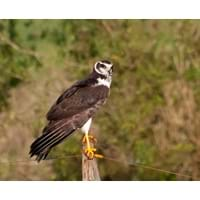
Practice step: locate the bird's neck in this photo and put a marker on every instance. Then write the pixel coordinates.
(101, 79)
(104, 82)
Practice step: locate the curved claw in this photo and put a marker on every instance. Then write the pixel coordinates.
(90, 153)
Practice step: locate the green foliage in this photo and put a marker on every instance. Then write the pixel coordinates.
(192, 74)
(68, 168)
(13, 62)
(148, 55)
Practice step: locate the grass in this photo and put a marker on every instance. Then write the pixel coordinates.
(153, 109)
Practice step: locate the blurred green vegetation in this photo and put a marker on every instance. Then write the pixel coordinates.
(151, 117)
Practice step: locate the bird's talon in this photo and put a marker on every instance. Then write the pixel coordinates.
(90, 153)
(96, 155)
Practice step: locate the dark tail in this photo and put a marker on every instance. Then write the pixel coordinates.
(54, 133)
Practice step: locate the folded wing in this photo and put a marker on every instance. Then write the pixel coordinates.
(70, 112)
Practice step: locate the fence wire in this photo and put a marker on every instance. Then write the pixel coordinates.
(108, 158)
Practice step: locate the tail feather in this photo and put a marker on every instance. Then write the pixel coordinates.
(45, 138)
(49, 130)
(53, 134)
(49, 142)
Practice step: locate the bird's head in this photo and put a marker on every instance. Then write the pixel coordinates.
(104, 68)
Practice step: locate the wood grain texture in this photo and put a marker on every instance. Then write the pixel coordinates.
(90, 171)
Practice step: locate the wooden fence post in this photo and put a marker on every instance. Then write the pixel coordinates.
(90, 170)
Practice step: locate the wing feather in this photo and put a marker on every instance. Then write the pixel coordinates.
(81, 100)
(42, 145)
(70, 112)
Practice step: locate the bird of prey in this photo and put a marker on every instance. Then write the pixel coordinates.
(74, 110)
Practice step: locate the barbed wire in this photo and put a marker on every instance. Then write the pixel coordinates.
(68, 156)
(28, 161)
(131, 164)
(143, 165)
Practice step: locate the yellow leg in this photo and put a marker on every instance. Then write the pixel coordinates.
(89, 151)
(91, 139)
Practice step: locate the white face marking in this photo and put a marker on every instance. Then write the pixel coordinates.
(108, 66)
(105, 82)
(104, 71)
(86, 127)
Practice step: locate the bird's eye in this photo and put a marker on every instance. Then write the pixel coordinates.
(103, 66)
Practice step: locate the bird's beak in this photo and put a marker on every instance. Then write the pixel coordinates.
(111, 70)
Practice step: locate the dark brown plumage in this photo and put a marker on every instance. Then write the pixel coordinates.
(69, 113)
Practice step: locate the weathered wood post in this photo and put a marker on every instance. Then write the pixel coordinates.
(90, 171)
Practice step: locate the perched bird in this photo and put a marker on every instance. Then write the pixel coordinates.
(74, 110)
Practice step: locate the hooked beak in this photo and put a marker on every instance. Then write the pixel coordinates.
(111, 70)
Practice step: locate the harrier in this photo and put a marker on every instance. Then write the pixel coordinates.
(74, 110)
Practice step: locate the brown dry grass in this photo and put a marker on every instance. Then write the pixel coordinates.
(177, 128)
(24, 119)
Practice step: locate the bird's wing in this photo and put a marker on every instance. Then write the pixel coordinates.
(69, 113)
(70, 91)
(77, 99)
(56, 131)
